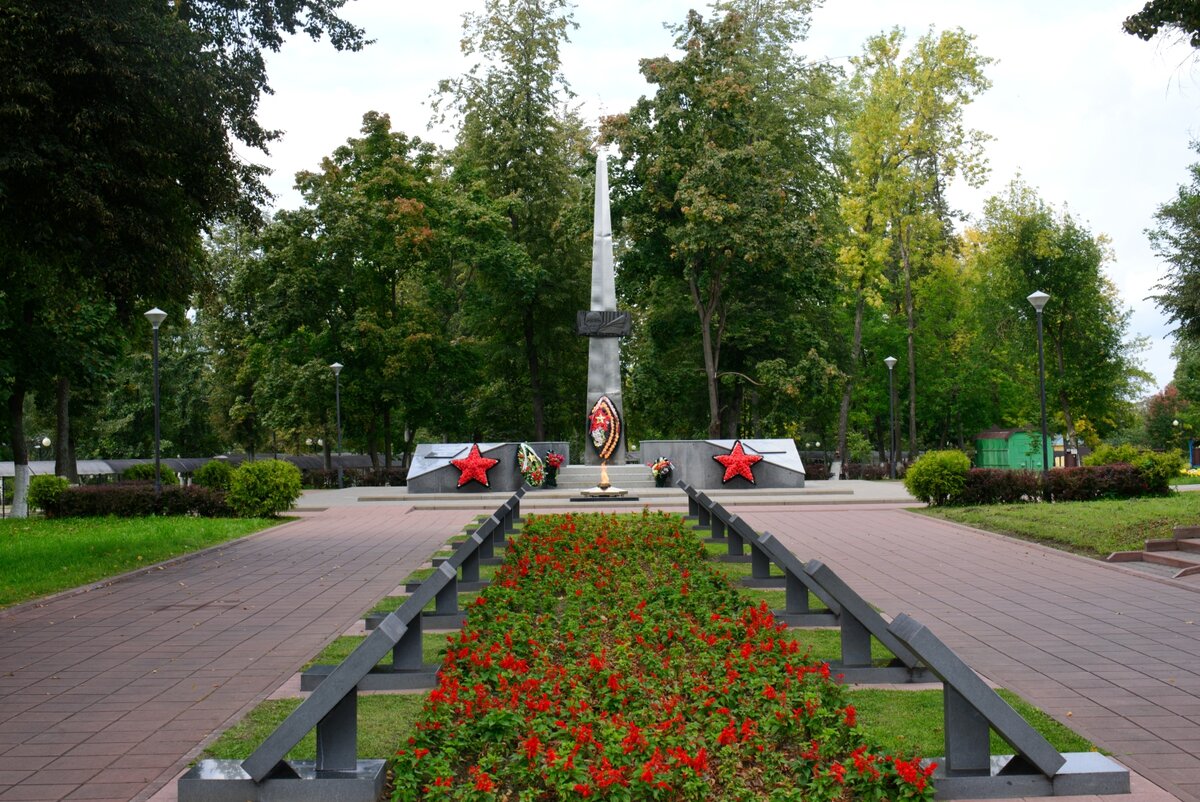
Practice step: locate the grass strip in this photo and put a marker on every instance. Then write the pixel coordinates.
(39, 556)
(911, 721)
(1092, 528)
(433, 649)
(384, 720)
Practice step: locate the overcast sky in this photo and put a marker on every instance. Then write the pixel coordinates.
(1094, 119)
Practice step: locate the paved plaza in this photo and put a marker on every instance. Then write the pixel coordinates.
(109, 693)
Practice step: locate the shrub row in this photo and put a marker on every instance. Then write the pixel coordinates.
(255, 490)
(945, 477)
(134, 499)
(356, 477)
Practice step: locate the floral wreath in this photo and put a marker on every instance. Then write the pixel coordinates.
(604, 427)
(532, 469)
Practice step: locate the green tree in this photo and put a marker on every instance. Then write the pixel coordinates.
(1176, 240)
(725, 200)
(1159, 15)
(527, 155)
(907, 142)
(120, 121)
(1092, 369)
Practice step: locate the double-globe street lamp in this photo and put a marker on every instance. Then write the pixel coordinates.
(156, 316)
(1038, 300)
(336, 367)
(891, 363)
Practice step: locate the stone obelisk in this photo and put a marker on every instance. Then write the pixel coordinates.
(604, 344)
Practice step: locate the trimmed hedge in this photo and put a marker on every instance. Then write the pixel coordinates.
(45, 490)
(144, 472)
(355, 477)
(938, 477)
(135, 499)
(999, 486)
(264, 489)
(1090, 482)
(215, 474)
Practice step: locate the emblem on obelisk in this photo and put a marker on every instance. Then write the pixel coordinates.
(603, 325)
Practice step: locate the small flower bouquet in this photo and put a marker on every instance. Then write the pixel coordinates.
(661, 469)
(554, 461)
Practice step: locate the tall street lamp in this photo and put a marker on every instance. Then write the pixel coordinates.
(336, 367)
(1038, 300)
(891, 363)
(156, 316)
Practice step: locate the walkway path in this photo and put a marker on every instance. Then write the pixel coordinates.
(1113, 653)
(106, 694)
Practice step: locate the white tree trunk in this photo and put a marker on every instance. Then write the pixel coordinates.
(20, 506)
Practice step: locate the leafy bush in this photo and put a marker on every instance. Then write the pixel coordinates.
(858, 447)
(938, 477)
(264, 489)
(1157, 468)
(45, 490)
(137, 499)
(144, 472)
(999, 486)
(215, 474)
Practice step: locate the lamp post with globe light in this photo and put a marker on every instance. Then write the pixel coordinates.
(156, 316)
(1038, 300)
(336, 367)
(891, 363)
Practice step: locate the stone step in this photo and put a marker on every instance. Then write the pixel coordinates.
(1182, 563)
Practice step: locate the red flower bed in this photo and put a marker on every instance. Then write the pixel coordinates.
(608, 661)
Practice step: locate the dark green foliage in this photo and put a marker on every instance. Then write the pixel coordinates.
(215, 474)
(1156, 469)
(144, 472)
(1159, 15)
(137, 499)
(264, 489)
(937, 477)
(44, 491)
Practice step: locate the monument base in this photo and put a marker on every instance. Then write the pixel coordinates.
(599, 492)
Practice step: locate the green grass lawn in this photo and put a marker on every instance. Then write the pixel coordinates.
(1093, 528)
(384, 723)
(40, 556)
(910, 722)
(433, 649)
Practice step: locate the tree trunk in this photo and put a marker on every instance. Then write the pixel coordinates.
(860, 301)
(1069, 435)
(387, 439)
(711, 347)
(64, 456)
(373, 441)
(535, 380)
(16, 435)
(912, 358)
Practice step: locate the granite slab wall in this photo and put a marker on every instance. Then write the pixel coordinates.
(780, 467)
(431, 471)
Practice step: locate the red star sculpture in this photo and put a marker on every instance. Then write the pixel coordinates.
(737, 463)
(474, 467)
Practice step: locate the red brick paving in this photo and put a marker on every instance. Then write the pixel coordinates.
(1113, 653)
(107, 694)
